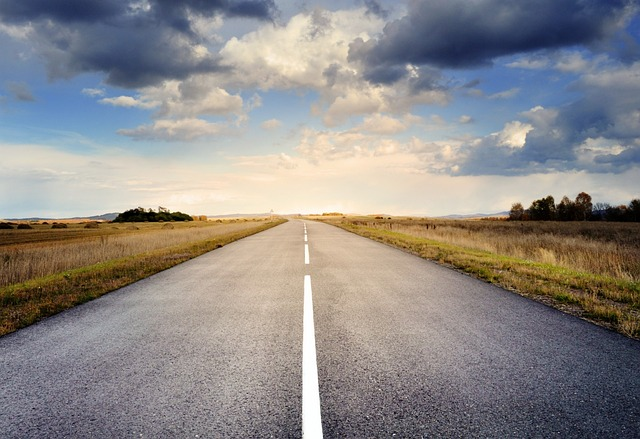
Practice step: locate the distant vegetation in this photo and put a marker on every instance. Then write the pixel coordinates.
(580, 209)
(142, 215)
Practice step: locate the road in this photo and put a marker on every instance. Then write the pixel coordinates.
(403, 348)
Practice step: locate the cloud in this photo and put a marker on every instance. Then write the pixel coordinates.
(286, 162)
(20, 91)
(93, 92)
(298, 53)
(598, 133)
(514, 134)
(573, 62)
(382, 124)
(128, 102)
(271, 124)
(460, 34)
(175, 14)
(374, 7)
(565, 61)
(529, 63)
(310, 52)
(319, 146)
(175, 130)
(507, 94)
(182, 106)
(134, 44)
(196, 96)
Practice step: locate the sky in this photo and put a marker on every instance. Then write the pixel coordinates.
(213, 107)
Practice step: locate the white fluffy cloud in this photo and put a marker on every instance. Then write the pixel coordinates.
(514, 134)
(175, 130)
(181, 107)
(196, 96)
(128, 102)
(298, 54)
(311, 52)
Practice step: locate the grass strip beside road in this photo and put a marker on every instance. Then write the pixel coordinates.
(607, 301)
(26, 303)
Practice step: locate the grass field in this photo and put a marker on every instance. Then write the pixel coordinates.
(588, 269)
(45, 270)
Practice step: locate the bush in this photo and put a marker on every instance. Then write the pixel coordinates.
(59, 226)
(142, 215)
(92, 225)
(5, 226)
(24, 227)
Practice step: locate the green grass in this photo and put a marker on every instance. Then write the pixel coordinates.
(26, 303)
(605, 300)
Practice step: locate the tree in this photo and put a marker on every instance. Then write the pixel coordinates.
(543, 209)
(599, 212)
(583, 206)
(616, 213)
(517, 212)
(634, 210)
(142, 215)
(566, 210)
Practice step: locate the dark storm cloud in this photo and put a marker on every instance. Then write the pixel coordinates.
(623, 161)
(101, 10)
(375, 8)
(459, 33)
(135, 44)
(176, 12)
(60, 11)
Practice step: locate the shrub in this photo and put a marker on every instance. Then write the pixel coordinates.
(142, 215)
(24, 226)
(59, 226)
(6, 226)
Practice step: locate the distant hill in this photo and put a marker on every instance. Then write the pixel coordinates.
(103, 217)
(475, 215)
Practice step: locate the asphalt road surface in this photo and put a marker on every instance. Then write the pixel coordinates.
(403, 348)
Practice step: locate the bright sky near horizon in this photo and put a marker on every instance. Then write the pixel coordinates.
(366, 106)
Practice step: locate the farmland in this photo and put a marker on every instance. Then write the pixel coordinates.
(589, 269)
(46, 270)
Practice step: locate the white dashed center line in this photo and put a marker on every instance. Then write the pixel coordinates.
(311, 419)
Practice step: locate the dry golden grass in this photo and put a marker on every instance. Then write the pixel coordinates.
(29, 254)
(611, 249)
(591, 270)
(66, 270)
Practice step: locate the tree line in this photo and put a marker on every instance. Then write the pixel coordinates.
(140, 214)
(580, 209)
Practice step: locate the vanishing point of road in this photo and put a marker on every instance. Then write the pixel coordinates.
(308, 330)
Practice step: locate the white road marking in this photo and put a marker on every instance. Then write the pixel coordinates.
(306, 254)
(305, 237)
(311, 419)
